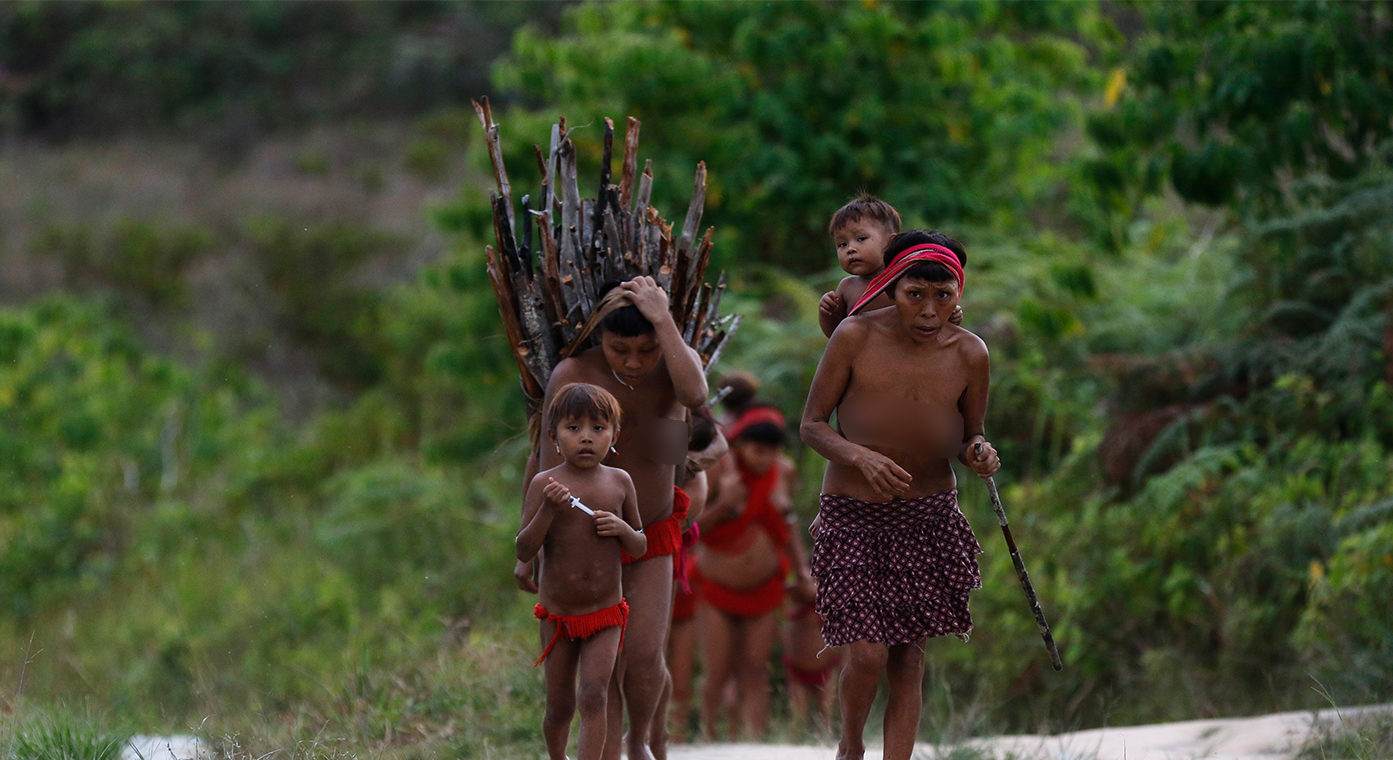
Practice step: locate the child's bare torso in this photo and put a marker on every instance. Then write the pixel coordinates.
(580, 569)
(652, 436)
(902, 400)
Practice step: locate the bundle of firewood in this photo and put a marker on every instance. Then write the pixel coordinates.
(547, 291)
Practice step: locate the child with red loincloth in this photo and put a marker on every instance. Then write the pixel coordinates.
(747, 549)
(643, 360)
(577, 518)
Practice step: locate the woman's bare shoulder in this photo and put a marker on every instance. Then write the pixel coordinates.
(970, 343)
(853, 329)
(578, 368)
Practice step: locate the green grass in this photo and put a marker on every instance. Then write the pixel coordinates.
(1358, 736)
(29, 732)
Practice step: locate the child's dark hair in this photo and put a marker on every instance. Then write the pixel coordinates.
(928, 271)
(865, 206)
(743, 387)
(761, 423)
(576, 400)
(626, 321)
(703, 429)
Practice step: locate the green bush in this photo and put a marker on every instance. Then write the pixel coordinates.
(57, 733)
(131, 257)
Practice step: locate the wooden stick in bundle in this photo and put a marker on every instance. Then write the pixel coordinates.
(614, 264)
(532, 387)
(505, 190)
(551, 272)
(663, 256)
(703, 257)
(640, 243)
(723, 329)
(692, 333)
(548, 293)
(630, 165)
(677, 288)
(685, 292)
(602, 194)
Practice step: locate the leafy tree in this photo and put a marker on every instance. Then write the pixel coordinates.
(955, 112)
(1257, 95)
(94, 429)
(1276, 107)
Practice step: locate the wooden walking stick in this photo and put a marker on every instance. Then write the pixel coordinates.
(1024, 577)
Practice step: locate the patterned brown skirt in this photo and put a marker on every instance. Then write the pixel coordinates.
(894, 572)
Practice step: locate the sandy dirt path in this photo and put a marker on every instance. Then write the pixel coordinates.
(1267, 737)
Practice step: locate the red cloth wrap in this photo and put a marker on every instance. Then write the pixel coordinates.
(583, 626)
(813, 678)
(729, 536)
(764, 598)
(665, 535)
(817, 677)
(684, 602)
(733, 535)
(902, 263)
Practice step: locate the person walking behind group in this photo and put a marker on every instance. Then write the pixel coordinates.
(706, 447)
(747, 550)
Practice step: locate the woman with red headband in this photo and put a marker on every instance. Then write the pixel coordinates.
(893, 555)
(747, 548)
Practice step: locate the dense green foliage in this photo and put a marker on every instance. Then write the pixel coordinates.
(237, 68)
(1179, 253)
(947, 108)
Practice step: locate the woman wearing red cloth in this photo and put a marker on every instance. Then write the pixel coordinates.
(747, 548)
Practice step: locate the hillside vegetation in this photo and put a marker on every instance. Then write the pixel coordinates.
(261, 437)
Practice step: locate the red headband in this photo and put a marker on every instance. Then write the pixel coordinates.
(754, 417)
(902, 263)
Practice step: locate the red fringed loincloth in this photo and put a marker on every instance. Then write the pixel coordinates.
(894, 572)
(583, 626)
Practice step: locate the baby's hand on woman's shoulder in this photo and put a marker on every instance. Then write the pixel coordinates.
(831, 304)
(957, 316)
(556, 494)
